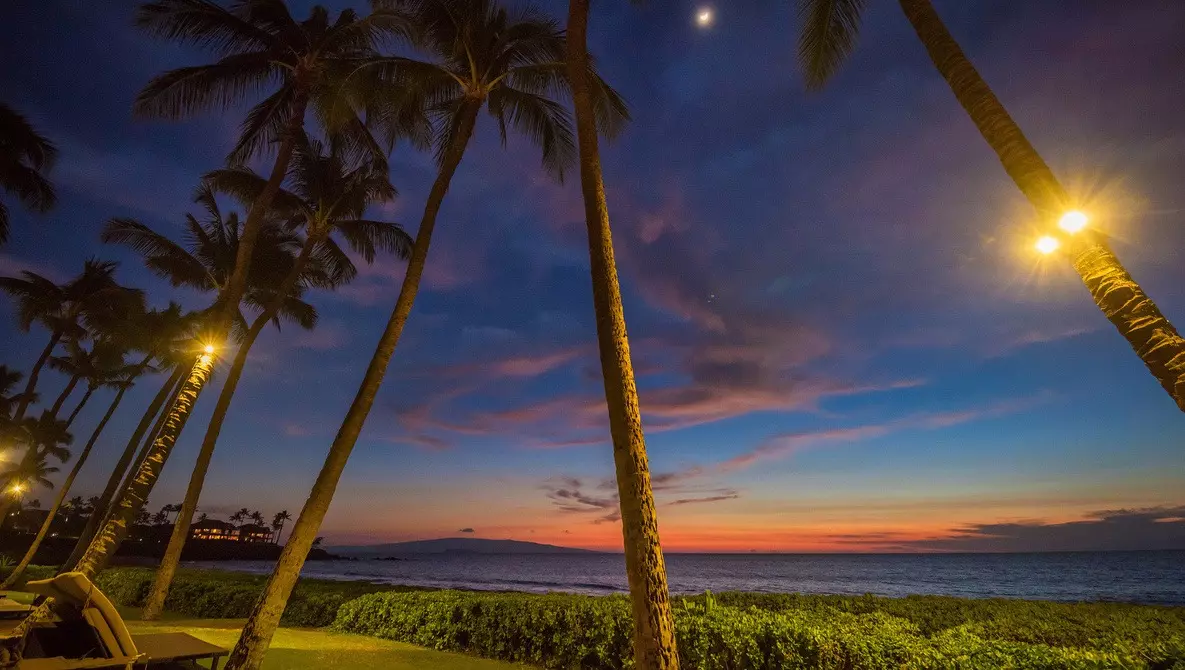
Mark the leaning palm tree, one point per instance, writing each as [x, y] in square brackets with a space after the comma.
[261, 46]
[330, 194]
[654, 628]
[83, 305]
[120, 377]
[166, 335]
[206, 265]
[482, 56]
[829, 35]
[25, 158]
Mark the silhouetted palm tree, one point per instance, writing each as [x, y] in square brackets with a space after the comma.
[9, 380]
[482, 57]
[329, 195]
[25, 158]
[829, 34]
[30, 475]
[240, 516]
[82, 305]
[207, 264]
[278, 524]
[260, 46]
[654, 630]
[115, 375]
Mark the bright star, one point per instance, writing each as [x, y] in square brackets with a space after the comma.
[705, 17]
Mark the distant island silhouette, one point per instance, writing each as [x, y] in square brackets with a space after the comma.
[454, 545]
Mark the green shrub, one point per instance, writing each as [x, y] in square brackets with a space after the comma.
[32, 574]
[567, 631]
[214, 594]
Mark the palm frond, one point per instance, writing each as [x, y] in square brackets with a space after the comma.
[180, 93]
[829, 31]
[545, 122]
[366, 237]
[202, 23]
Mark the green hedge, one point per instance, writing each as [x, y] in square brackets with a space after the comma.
[216, 594]
[569, 631]
[32, 574]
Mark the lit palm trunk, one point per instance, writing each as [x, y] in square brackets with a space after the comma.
[118, 523]
[1120, 298]
[62, 491]
[654, 629]
[99, 513]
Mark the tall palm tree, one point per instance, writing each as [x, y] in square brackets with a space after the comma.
[120, 377]
[330, 194]
[206, 263]
[84, 304]
[25, 158]
[278, 524]
[43, 436]
[167, 335]
[240, 516]
[91, 366]
[483, 56]
[654, 631]
[260, 46]
[829, 35]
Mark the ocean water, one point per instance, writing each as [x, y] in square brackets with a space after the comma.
[1154, 577]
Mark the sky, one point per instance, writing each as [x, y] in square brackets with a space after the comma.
[842, 336]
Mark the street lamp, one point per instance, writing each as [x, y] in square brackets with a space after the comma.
[209, 349]
[16, 489]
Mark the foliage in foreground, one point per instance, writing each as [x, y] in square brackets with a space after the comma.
[568, 631]
[214, 594]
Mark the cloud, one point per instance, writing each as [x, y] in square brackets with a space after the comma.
[466, 530]
[326, 336]
[787, 444]
[1149, 528]
[598, 500]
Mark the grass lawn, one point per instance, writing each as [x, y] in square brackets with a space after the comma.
[308, 649]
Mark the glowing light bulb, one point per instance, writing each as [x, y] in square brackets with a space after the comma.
[705, 17]
[1072, 221]
[17, 489]
[1048, 245]
[209, 349]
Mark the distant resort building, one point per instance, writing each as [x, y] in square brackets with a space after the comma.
[213, 529]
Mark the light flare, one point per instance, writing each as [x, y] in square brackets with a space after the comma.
[1048, 244]
[1073, 221]
[705, 17]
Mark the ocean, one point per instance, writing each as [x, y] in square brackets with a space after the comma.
[1152, 577]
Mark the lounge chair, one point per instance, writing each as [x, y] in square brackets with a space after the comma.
[91, 635]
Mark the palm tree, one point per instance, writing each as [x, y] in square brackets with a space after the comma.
[240, 516]
[25, 157]
[207, 265]
[257, 518]
[278, 524]
[31, 475]
[260, 45]
[82, 305]
[829, 35]
[484, 57]
[330, 195]
[167, 335]
[120, 377]
[9, 429]
[654, 632]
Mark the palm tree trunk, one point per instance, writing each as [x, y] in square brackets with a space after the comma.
[62, 491]
[257, 634]
[90, 390]
[654, 629]
[236, 286]
[61, 400]
[154, 604]
[99, 512]
[123, 514]
[31, 385]
[1120, 298]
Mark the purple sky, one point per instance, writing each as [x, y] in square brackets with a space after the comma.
[842, 337]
